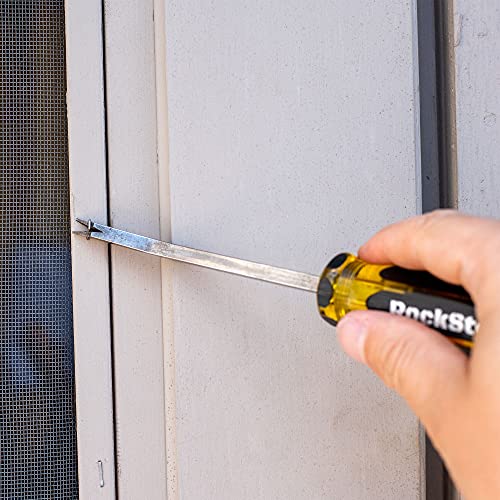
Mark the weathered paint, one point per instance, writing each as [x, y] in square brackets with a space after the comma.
[91, 308]
[292, 137]
[136, 279]
[477, 54]
[477, 65]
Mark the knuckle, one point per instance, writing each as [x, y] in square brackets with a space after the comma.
[426, 224]
[491, 244]
[430, 228]
[440, 213]
[391, 360]
[477, 270]
[429, 220]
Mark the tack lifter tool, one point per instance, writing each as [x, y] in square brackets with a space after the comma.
[347, 284]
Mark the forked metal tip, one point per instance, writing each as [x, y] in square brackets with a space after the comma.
[83, 221]
[90, 228]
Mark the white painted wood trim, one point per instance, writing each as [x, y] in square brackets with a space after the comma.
[419, 196]
[416, 103]
[136, 279]
[87, 164]
[477, 74]
[166, 235]
[477, 49]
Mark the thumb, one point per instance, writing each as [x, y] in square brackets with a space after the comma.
[425, 368]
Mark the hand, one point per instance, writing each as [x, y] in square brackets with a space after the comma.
[456, 398]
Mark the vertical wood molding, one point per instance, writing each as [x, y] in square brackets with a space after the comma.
[136, 279]
[477, 49]
[475, 42]
[91, 309]
[166, 235]
[477, 76]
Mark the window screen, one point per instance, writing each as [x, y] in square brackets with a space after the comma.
[38, 458]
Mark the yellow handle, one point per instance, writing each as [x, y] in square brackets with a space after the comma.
[349, 283]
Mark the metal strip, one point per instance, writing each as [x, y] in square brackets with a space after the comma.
[232, 265]
[438, 149]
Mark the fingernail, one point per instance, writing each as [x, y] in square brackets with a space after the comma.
[351, 333]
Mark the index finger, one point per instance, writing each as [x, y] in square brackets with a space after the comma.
[457, 248]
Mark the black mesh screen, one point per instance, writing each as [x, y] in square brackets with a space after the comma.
[38, 458]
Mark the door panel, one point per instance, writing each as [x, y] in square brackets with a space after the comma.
[90, 264]
[477, 73]
[136, 278]
[292, 136]
[477, 45]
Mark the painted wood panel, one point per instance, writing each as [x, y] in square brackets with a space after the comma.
[136, 279]
[477, 83]
[293, 135]
[91, 300]
[477, 55]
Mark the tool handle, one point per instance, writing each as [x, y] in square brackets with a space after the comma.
[348, 284]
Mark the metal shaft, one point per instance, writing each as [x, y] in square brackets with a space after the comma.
[261, 272]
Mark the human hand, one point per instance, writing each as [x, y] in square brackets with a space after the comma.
[456, 398]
